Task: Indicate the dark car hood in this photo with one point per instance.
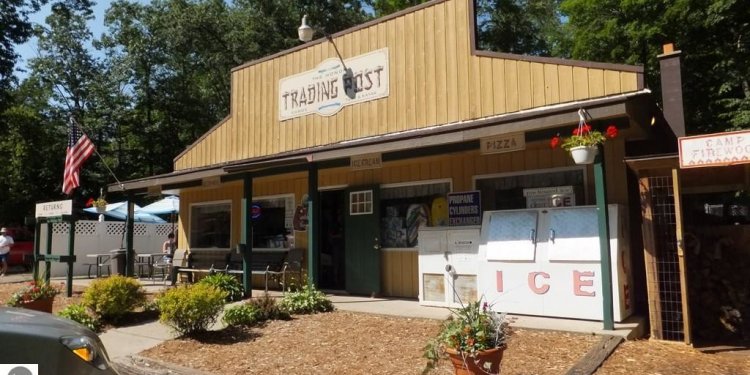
(38, 323)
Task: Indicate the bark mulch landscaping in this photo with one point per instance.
(353, 343)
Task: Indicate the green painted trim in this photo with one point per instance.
(600, 185)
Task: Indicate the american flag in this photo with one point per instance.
(79, 149)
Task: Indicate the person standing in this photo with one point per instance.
(169, 247)
(6, 242)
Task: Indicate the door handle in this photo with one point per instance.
(377, 244)
(552, 235)
(532, 236)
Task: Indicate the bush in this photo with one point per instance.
(192, 308)
(226, 283)
(241, 315)
(113, 297)
(307, 300)
(268, 309)
(79, 314)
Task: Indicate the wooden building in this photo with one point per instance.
(413, 112)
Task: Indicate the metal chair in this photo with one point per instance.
(102, 261)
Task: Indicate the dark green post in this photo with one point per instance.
(246, 242)
(37, 244)
(313, 213)
(600, 185)
(129, 252)
(71, 244)
(47, 264)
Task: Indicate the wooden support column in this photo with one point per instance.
(313, 215)
(600, 185)
(129, 252)
(681, 254)
(246, 242)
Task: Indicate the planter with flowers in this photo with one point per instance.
(35, 295)
(99, 204)
(583, 144)
(473, 338)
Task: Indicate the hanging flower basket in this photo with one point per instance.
(584, 154)
(583, 144)
(101, 209)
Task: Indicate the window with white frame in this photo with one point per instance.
(360, 202)
(210, 224)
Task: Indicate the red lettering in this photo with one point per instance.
(499, 281)
(532, 282)
(578, 283)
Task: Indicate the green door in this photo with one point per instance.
(362, 240)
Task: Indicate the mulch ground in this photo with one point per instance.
(353, 343)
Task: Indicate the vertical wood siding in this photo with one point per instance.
(434, 80)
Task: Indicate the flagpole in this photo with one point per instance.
(99, 155)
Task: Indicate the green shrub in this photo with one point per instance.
(226, 283)
(307, 300)
(241, 315)
(268, 309)
(113, 297)
(191, 308)
(79, 313)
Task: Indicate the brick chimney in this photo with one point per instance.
(671, 89)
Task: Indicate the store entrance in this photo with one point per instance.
(332, 255)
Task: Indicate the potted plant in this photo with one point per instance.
(583, 144)
(473, 338)
(35, 295)
(100, 204)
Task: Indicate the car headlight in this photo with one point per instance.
(87, 349)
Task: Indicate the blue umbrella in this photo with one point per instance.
(120, 211)
(167, 205)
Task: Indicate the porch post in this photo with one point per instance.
(129, 253)
(313, 214)
(600, 186)
(246, 240)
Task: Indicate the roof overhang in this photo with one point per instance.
(521, 121)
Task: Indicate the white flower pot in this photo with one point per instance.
(584, 154)
(101, 210)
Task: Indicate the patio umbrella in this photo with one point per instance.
(167, 205)
(119, 211)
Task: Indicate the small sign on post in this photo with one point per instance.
(51, 209)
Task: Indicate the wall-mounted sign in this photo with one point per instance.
(255, 211)
(329, 88)
(368, 161)
(464, 208)
(503, 143)
(712, 150)
(554, 196)
(49, 209)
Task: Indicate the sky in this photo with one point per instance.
(28, 50)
